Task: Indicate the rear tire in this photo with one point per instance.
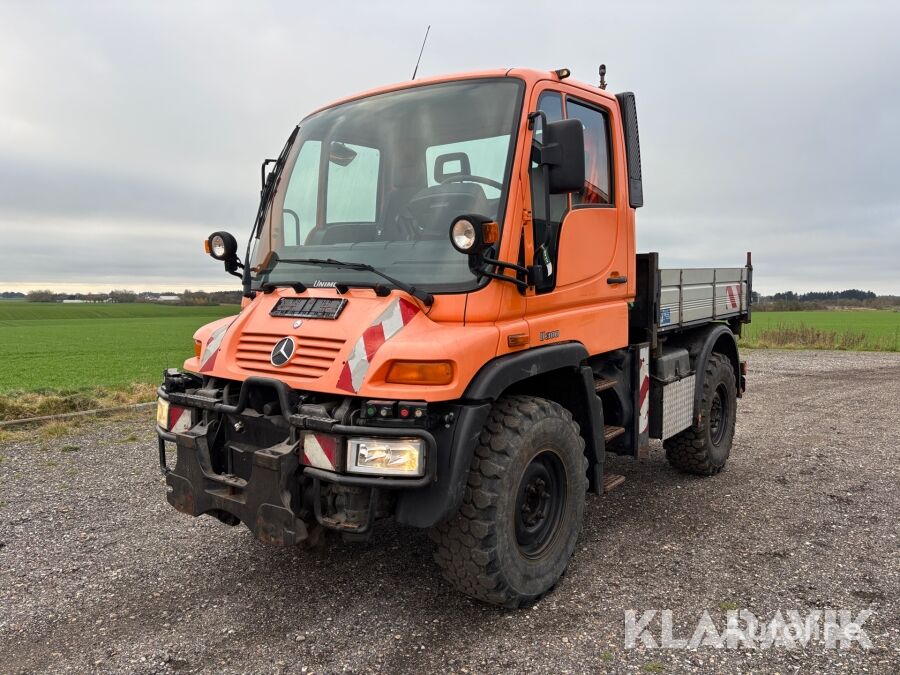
(703, 448)
(522, 508)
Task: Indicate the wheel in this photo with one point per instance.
(522, 508)
(703, 448)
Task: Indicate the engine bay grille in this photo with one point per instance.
(312, 357)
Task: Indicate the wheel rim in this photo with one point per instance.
(718, 415)
(540, 503)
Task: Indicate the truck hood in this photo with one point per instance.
(347, 355)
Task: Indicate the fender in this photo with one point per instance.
(576, 394)
(498, 375)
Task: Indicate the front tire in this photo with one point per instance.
(522, 508)
(703, 448)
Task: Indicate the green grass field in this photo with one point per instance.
(67, 347)
(76, 357)
(859, 330)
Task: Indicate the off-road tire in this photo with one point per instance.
(479, 551)
(703, 448)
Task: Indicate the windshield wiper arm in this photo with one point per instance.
(381, 290)
(270, 286)
(425, 297)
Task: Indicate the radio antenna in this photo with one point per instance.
(416, 70)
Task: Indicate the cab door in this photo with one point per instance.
(586, 236)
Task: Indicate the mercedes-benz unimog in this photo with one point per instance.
(446, 322)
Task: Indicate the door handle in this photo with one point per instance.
(616, 280)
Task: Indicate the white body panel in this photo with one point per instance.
(693, 295)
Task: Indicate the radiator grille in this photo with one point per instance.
(312, 358)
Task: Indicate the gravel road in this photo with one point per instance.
(98, 573)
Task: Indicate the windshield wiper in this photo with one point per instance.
(427, 298)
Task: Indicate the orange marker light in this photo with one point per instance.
(517, 340)
(198, 348)
(491, 232)
(206, 248)
(420, 372)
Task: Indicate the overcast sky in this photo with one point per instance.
(130, 130)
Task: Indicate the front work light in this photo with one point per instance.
(472, 234)
(221, 246)
(386, 456)
(463, 234)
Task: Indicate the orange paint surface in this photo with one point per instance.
(468, 330)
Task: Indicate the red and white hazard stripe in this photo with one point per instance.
(734, 295)
(211, 350)
(320, 451)
(644, 391)
(179, 419)
(399, 313)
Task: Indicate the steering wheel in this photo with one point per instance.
(462, 177)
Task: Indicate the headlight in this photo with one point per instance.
(386, 456)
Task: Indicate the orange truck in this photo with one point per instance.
(446, 322)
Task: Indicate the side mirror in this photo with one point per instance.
(562, 151)
(471, 234)
(223, 246)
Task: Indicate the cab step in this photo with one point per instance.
(611, 481)
(603, 383)
(611, 432)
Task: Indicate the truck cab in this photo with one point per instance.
(446, 322)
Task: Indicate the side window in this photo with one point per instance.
(597, 187)
(551, 104)
(353, 172)
(546, 228)
(300, 200)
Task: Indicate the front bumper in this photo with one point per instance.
(264, 503)
(278, 497)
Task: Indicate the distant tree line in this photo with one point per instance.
(852, 297)
(815, 296)
(187, 297)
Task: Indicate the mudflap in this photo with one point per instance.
(262, 503)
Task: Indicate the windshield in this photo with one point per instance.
(380, 179)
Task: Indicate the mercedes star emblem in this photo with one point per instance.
(282, 351)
